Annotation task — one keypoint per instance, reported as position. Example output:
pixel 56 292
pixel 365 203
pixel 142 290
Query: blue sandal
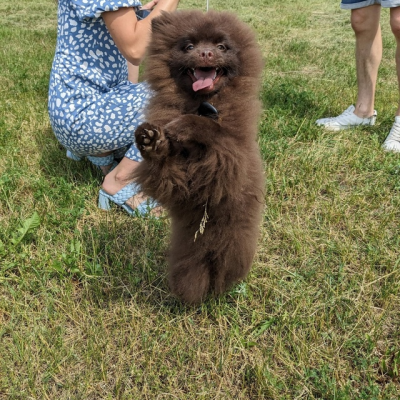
pixel 97 161
pixel 120 198
pixel 100 161
pixel 73 156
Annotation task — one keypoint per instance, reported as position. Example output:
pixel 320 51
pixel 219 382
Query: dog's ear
pixel 160 23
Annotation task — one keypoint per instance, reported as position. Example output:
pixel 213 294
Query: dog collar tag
pixel 208 110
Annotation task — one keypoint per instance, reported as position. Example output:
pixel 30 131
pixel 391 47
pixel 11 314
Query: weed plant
pixel 85 311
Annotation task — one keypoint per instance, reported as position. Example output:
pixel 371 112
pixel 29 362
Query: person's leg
pixel 102 123
pixel 392 141
pixel 119 177
pixel 395 26
pixel 120 189
pixel 365 17
pixel 365 24
pixel 103 161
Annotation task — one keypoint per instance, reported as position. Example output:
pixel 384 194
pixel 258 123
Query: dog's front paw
pixel 150 139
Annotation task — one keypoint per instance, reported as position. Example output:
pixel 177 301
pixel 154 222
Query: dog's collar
pixel 207 110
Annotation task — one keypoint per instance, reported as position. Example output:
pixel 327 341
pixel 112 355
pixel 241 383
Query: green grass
pixel 85 311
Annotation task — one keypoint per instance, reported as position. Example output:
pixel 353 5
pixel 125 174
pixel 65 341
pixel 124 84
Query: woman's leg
pixel 365 23
pixel 395 26
pixel 103 123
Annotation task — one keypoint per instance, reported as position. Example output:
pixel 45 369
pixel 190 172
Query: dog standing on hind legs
pixel 201 160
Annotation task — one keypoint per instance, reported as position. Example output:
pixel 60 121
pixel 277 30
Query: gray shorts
pixel 353 4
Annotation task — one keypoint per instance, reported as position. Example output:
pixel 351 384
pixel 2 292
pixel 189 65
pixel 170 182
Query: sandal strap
pixel 146 206
pixel 128 191
pixel 101 161
pixel 120 198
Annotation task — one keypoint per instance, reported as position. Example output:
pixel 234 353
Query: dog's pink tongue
pixel 204 79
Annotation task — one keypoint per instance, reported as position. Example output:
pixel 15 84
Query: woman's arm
pixel 133 72
pixel 130 35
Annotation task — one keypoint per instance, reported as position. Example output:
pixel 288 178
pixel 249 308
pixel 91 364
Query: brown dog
pixel 201 158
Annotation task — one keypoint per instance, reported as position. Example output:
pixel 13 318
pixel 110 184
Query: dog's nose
pixel 207 54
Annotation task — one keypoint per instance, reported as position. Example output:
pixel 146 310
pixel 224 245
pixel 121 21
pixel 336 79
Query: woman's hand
pixel 149 5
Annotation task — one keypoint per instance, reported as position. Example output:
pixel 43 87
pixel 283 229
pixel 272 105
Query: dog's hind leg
pixel 189 282
pixel 234 260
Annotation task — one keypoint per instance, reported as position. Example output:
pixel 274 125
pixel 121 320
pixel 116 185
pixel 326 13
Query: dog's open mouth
pixel 204 78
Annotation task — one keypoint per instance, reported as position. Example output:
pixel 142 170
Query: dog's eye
pixel 189 47
pixel 221 47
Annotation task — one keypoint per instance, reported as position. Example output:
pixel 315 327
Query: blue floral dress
pixel 93 108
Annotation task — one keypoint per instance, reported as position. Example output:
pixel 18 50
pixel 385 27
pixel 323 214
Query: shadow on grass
pixel 54 162
pixel 290 98
pixel 125 259
pixel 112 255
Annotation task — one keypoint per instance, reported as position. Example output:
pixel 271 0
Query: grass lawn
pixel 85 311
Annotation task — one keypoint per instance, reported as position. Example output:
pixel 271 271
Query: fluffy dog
pixel 201 158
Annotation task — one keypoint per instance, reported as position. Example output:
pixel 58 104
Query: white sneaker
pixel 346 120
pixel 392 142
